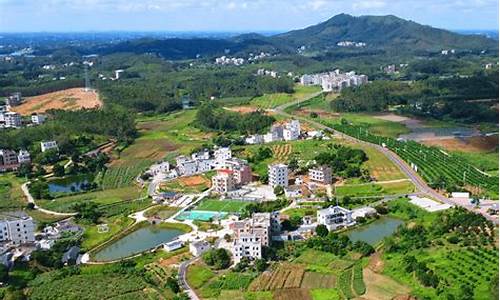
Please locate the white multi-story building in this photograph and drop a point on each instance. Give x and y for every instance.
(38, 119)
(242, 173)
(17, 229)
(222, 153)
(321, 174)
(247, 245)
(223, 182)
(48, 145)
(334, 81)
(23, 157)
(12, 119)
(255, 139)
(291, 131)
(252, 234)
(204, 154)
(335, 217)
(13, 100)
(278, 175)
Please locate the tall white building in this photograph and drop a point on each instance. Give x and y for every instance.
(278, 175)
(12, 119)
(223, 182)
(17, 229)
(291, 131)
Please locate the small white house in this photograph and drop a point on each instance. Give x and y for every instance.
(37, 119)
(48, 145)
(197, 248)
(172, 245)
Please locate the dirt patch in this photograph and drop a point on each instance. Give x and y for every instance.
(471, 144)
(243, 109)
(70, 99)
(376, 264)
(391, 118)
(194, 180)
(168, 262)
(380, 287)
(305, 112)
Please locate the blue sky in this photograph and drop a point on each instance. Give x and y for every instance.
(231, 15)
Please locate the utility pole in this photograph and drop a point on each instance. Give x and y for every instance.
(87, 81)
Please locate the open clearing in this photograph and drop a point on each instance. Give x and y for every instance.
(70, 99)
(472, 144)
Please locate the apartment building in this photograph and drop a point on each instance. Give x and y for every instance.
(18, 229)
(335, 217)
(252, 234)
(291, 132)
(242, 173)
(223, 182)
(278, 175)
(321, 174)
(13, 100)
(12, 120)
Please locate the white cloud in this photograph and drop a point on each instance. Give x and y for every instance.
(369, 4)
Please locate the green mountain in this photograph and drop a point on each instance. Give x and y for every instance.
(382, 32)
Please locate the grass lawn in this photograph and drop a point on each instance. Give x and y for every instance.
(277, 99)
(197, 275)
(222, 205)
(300, 212)
(106, 197)
(375, 189)
(10, 192)
(325, 294)
(92, 238)
(161, 211)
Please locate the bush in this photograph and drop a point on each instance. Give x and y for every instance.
(217, 258)
(321, 230)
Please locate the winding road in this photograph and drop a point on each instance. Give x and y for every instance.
(422, 187)
(30, 199)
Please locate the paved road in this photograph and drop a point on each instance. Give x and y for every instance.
(183, 279)
(419, 183)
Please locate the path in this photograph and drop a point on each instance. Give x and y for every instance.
(30, 199)
(419, 183)
(183, 278)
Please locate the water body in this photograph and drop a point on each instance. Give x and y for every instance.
(138, 241)
(70, 184)
(376, 231)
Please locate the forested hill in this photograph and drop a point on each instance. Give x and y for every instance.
(380, 33)
(383, 31)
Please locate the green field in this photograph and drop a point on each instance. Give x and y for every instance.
(222, 205)
(274, 100)
(375, 189)
(10, 192)
(106, 197)
(159, 136)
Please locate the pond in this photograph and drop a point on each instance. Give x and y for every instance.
(70, 184)
(138, 241)
(376, 231)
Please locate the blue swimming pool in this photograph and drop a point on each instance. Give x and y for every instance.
(201, 215)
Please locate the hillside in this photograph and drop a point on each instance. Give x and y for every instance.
(382, 32)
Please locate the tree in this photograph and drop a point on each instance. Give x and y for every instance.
(217, 258)
(322, 230)
(173, 284)
(88, 211)
(58, 170)
(260, 265)
(279, 190)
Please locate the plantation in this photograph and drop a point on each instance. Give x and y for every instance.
(375, 189)
(439, 169)
(282, 152)
(122, 176)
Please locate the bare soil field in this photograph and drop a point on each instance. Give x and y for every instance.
(70, 99)
(194, 180)
(472, 144)
(292, 294)
(391, 117)
(305, 112)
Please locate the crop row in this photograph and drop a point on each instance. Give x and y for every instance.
(433, 164)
